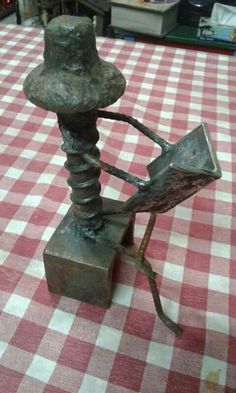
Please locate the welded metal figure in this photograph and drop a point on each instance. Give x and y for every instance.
(74, 83)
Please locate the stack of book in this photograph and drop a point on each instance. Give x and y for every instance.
(151, 18)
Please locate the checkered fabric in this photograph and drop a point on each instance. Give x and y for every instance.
(53, 344)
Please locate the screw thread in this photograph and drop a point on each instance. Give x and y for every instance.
(80, 135)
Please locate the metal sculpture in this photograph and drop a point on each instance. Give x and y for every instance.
(74, 83)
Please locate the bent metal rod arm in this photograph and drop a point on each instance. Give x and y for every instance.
(165, 146)
(134, 180)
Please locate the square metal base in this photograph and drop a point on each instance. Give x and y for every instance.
(81, 268)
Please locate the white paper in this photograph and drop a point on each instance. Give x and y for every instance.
(223, 15)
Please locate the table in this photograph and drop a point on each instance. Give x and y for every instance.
(52, 344)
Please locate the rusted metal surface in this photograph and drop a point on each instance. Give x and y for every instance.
(81, 268)
(179, 172)
(112, 170)
(146, 237)
(73, 78)
(74, 82)
(187, 167)
(145, 266)
(165, 146)
(80, 134)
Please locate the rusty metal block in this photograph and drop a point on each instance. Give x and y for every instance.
(81, 268)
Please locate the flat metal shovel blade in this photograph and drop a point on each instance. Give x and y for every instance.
(188, 166)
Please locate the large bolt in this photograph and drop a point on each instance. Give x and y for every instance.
(74, 82)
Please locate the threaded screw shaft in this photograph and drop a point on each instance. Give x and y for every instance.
(80, 135)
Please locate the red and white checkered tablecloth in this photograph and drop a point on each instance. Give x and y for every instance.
(53, 344)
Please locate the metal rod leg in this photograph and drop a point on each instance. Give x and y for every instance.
(144, 264)
(151, 275)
